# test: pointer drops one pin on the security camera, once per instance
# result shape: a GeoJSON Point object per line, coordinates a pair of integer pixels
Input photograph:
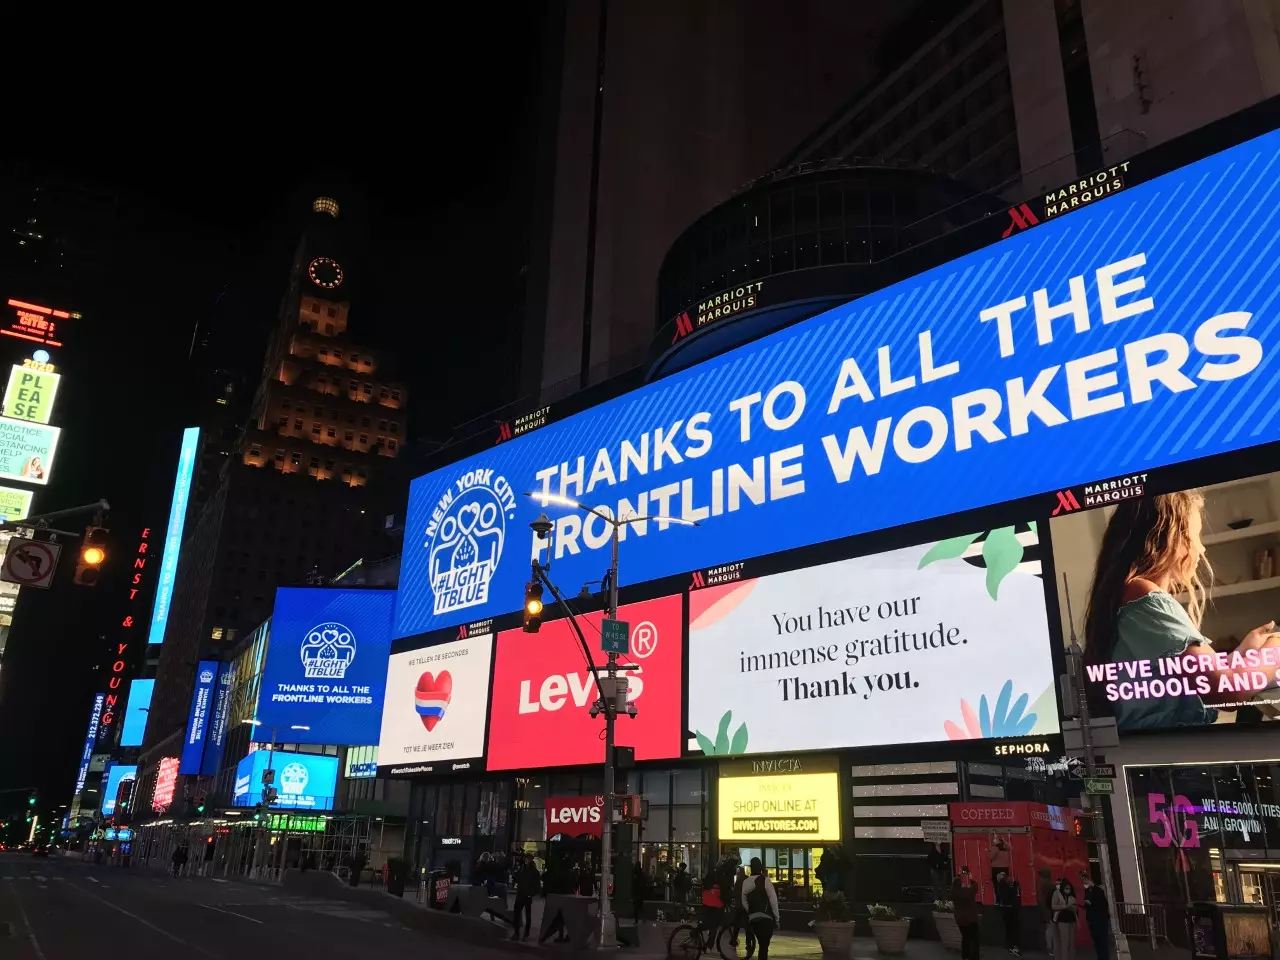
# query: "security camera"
{"type": "Point", "coordinates": [542, 526]}
{"type": "Point", "coordinates": [595, 710]}
{"type": "Point", "coordinates": [631, 710]}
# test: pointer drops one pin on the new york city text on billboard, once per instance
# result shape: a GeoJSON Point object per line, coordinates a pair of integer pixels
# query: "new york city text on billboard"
{"type": "Point", "coordinates": [1137, 332]}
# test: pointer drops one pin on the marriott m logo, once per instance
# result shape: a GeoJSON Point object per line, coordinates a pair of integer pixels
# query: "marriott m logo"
{"type": "Point", "coordinates": [1067, 502]}
{"type": "Point", "coordinates": [504, 433]}
{"type": "Point", "coordinates": [462, 632]}
{"type": "Point", "coordinates": [698, 582]}
{"type": "Point", "coordinates": [684, 326]}
{"type": "Point", "coordinates": [1020, 218]}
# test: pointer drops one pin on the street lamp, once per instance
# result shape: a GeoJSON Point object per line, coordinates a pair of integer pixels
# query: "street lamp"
{"type": "Point", "coordinates": [609, 686]}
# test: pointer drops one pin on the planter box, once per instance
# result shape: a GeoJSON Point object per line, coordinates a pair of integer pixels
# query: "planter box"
{"type": "Point", "coordinates": [835, 936]}
{"type": "Point", "coordinates": [891, 935]}
{"type": "Point", "coordinates": [948, 930]}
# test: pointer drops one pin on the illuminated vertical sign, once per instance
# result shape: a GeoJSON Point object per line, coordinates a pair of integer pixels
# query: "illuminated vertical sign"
{"type": "Point", "coordinates": [87, 754]}
{"type": "Point", "coordinates": [30, 394]}
{"type": "Point", "coordinates": [166, 782]}
{"type": "Point", "coordinates": [117, 690]}
{"type": "Point", "coordinates": [198, 719]}
{"type": "Point", "coordinates": [212, 761]}
{"type": "Point", "coordinates": [173, 535]}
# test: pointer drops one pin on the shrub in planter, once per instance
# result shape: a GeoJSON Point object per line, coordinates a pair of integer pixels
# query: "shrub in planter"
{"type": "Point", "coordinates": [889, 929]}
{"type": "Point", "coordinates": [944, 918]}
{"type": "Point", "coordinates": [833, 923]}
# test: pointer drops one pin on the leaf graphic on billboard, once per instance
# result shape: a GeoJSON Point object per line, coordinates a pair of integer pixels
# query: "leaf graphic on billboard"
{"type": "Point", "coordinates": [723, 746]}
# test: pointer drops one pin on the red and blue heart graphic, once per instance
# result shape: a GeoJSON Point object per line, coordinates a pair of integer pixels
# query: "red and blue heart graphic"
{"type": "Point", "coordinates": [432, 696]}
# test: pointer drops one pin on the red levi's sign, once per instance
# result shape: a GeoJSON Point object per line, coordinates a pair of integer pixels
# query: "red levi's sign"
{"type": "Point", "coordinates": [575, 816]}
{"type": "Point", "coordinates": [540, 712]}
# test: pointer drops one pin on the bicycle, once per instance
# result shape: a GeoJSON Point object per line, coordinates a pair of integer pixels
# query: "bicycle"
{"type": "Point", "coordinates": [693, 938]}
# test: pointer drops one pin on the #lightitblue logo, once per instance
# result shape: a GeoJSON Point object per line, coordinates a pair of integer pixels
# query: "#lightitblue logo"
{"type": "Point", "coordinates": [293, 779]}
{"type": "Point", "coordinates": [327, 650]}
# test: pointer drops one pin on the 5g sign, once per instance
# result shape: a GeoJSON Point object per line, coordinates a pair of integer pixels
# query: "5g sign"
{"type": "Point", "coordinates": [1174, 823]}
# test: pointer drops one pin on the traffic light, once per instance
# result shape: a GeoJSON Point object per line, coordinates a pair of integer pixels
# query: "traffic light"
{"type": "Point", "coordinates": [200, 802]}
{"type": "Point", "coordinates": [93, 553]}
{"type": "Point", "coordinates": [532, 606]}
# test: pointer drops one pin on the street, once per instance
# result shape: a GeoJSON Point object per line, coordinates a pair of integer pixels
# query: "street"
{"type": "Point", "coordinates": [65, 909]}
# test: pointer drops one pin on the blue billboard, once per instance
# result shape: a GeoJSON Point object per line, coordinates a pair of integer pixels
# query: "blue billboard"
{"type": "Point", "coordinates": [212, 761]}
{"type": "Point", "coordinates": [326, 666]}
{"type": "Point", "coordinates": [86, 754]}
{"type": "Point", "coordinates": [111, 780]}
{"type": "Point", "coordinates": [198, 717]}
{"type": "Point", "coordinates": [173, 534]}
{"type": "Point", "coordinates": [303, 781]}
{"type": "Point", "coordinates": [1135, 332]}
{"type": "Point", "coordinates": [136, 711]}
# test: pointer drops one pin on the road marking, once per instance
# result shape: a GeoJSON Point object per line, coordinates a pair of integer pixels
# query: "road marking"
{"type": "Point", "coordinates": [93, 879]}
{"type": "Point", "coordinates": [209, 906]}
{"type": "Point", "coordinates": [26, 922]}
{"type": "Point", "coordinates": [146, 923]}
{"type": "Point", "coordinates": [216, 880]}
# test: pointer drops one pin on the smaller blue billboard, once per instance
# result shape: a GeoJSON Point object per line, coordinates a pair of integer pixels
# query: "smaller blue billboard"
{"type": "Point", "coordinates": [136, 713]}
{"type": "Point", "coordinates": [212, 761]}
{"type": "Point", "coordinates": [303, 781]}
{"type": "Point", "coordinates": [198, 717]}
{"type": "Point", "coordinates": [173, 534]}
{"type": "Point", "coordinates": [115, 774]}
{"type": "Point", "coordinates": [94, 717]}
{"type": "Point", "coordinates": [326, 667]}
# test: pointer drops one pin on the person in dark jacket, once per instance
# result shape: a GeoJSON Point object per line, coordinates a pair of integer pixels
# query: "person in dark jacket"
{"type": "Point", "coordinates": [639, 887]}
{"type": "Point", "coordinates": [1097, 913]}
{"type": "Point", "coordinates": [528, 886]}
{"type": "Point", "coordinates": [964, 899]}
{"type": "Point", "coordinates": [1009, 900]}
{"type": "Point", "coordinates": [1044, 903]}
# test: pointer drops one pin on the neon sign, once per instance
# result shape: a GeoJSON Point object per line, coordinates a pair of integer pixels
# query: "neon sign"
{"type": "Point", "coordinates": [173, 534]}
{"type": "Point", "coordinates": [36, 323]}
{"type": "Point", "coordinates": [128, 625]}
{"type": "Point", "coordinates": [166, 782]}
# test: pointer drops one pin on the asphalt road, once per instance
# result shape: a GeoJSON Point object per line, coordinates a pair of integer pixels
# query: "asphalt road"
{"type": "Point", "coordinates": [65, 909]}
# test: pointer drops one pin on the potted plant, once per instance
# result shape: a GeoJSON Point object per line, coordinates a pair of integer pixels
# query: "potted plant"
{"type": "Point", "coordinates": [944, 918]}
{"type": "Point", "coordinates": [833, 924]}
{"type": "Point", "coordinates": [889, 929]}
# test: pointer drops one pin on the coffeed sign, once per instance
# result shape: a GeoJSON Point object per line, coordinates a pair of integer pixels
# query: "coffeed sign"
{"type": "Point", "coordinates": [780, 799]}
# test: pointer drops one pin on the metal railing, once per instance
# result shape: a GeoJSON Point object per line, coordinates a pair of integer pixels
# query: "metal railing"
{"type": "Point", "coordinates": [1146, 921]}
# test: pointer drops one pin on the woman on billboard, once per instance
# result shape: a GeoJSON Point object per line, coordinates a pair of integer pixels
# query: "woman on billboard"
{"type": "Point", "coordinates": [1151, 552]}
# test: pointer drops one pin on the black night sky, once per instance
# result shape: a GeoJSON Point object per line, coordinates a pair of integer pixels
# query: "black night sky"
{"type": "Point", "coordinates": [430, 158]}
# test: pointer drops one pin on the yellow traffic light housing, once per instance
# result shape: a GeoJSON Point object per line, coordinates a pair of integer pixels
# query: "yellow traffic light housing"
{"type": "Point", "coordinates": [93, 553]}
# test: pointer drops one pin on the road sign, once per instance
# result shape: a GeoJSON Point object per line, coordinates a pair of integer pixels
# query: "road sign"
{"type": "Point", "coordinates": [1099, 786]}
{"type": "Point", "coordinates": [30, 563]}
{"type": "Point", "coordinates": [1105, 771]}
{"type": "Point", "coordinates": [615, 636]}
{"type": "Point", "coordinates": [936, 831]}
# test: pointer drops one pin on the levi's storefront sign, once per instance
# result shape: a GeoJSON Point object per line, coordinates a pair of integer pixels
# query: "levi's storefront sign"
{"type": "Point", "coordinates": [542, 692]}
{"type": "Point", "coordinates": [779, 799]}
{"type": "Point", "coordinates": [1133, 333]}
{"type": "Point", "coordinates": [575, 816]}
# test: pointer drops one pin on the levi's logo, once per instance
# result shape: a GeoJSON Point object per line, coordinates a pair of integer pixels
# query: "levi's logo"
{"type": "Point", "coordinates": [1067, 502]}
{"type": "Point", "coordinates": [559, 689]}
{"type": "Point", "coordinates": [1020, 218]}
{"type": "Point", "coordinates": [575, 814]}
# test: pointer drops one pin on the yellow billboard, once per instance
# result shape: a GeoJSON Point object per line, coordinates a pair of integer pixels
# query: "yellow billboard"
{"type": "Point", "coordinates": [780, 806]}
{"type": "Point", "coordinates": [30, 394]}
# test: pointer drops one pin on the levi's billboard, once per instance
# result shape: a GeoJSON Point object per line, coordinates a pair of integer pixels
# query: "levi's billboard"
{"type": "Point", "coordinates": [575, 816]}
{"type": "Point", "coordinates": [542, 691]}
{"type": "Point", "coordinates": [1136, 332]}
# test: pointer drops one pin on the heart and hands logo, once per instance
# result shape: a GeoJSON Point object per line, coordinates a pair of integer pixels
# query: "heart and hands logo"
{"type": "Point", "coordinates": [431, 697]}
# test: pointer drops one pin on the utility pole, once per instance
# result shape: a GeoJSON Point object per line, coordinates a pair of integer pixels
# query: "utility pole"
{"type": "Point", "coordinates": [1075, 670]}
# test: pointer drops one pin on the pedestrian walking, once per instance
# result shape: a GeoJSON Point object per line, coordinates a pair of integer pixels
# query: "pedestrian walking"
{"type": "Point", "coordinates": [1009, 900]}
{"type": "Point", "coordinates": [741, 920]}
{"type": "Point", "coordinates": [639, 887]}
{"type": "Point", "coordinates": [1097, 913]}
{"type": "Point", "coordinates": [964, 900]}
{"type": "Point", "coordinates": [528, 886]}
{"type": "Point", "coordinates": [1044, 903]}
{"type": "Point", "coordinates": [681, 883]}
{"type": "Point", "coordinates": [1064, 920]}
{"type": "Point", "coordinates": [760, 900]}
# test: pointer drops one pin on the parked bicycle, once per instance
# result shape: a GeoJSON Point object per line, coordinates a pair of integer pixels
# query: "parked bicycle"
{"type": "Point", "coordinates": [696, 936]}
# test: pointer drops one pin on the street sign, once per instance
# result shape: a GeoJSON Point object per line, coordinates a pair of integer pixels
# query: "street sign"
{"type": "Point", "coordinates": [30, 563]}
{"type": "Point", "coordinates": [615, 636]}
{"type": "Point", "coordinates": [1098, 786]}
{"type": "Point", "coordinates": [936, 831]}
{"type": "Point", "coordinates": [1105, 771]}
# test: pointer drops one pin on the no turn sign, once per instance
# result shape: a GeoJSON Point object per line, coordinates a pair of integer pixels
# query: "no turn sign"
{"type": "Point", "coordinates": [30, 563]}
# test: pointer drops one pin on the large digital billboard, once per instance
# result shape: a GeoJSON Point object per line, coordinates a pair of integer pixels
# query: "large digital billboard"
{"type": "Point", "coordinates": [303, 781]}
{"type": "Point", "coordinates": [198, 717]}
{"type": "Point", "coordinates": [90, 739]}
{"type": "Point", "coordinates": [1175, 598]}
{"type": "Point", "coordinates": [30, 393]}
{"type": "Point", "coordinates": [115, 774]}
{"type": "Point", "coordinates": [916, 645]}
{"type": "Point", "coordinates": [326, 665]}
{"type": "Point", "coordinates": [212, 761]}
{"type": "Point", "coordinates": [136, 711]}
{"type": "Point", "coordinates": [437, 699]}
{"type": "Point", "coordinates": [15, 504]}
{"type": "Point", "coordinates": [542, 691]}
{"type": "Point", "coordinates": [1131, 334]}
{"type": "Point", "coordinates": [173, 534]}
{"type": "Point", "coordinates": [26, 450]}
